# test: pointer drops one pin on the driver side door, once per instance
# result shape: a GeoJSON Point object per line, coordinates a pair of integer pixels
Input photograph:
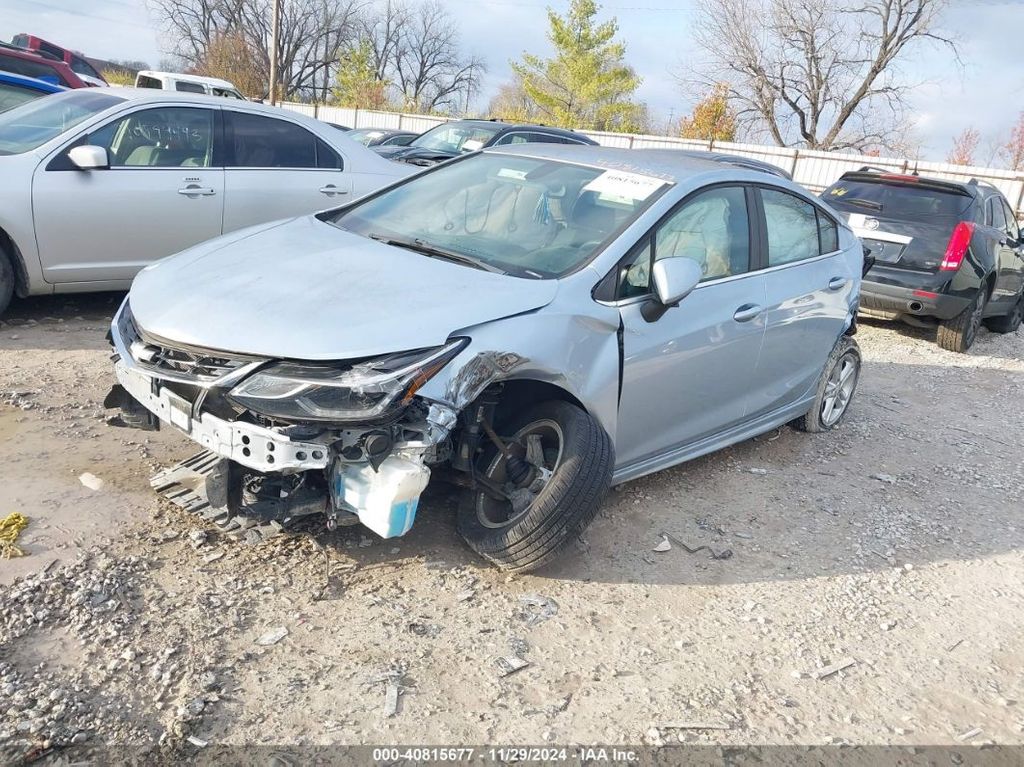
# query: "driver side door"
{"type": "Point", "coordinates": [687, 375]}
{"type": "Point", "coordinates": [162, 193]}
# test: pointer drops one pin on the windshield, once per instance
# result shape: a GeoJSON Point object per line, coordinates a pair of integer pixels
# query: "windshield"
{"type": "Point", "coordinates": [456, 137]}
{"type": "Point", "coordinates": [522, 215]}
{"type": "Point", "coordinates": [364, 136]}
{"type": "Point", "coordinates": [31, 125]}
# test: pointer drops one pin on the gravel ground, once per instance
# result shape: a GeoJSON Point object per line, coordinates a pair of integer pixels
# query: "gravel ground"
{"type": "Point", "coordinates": [890, 548]}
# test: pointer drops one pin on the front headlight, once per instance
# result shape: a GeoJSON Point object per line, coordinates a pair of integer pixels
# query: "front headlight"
{"type": "Point", "coordinates": [362, 392]}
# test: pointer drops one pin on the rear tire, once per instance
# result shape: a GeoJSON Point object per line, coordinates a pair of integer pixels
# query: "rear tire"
{"type": "Point", "coordinates": [835, 390]}
{"type": "Point", "coordinates": [1010, 321]}
{"type": "Point", "coordinates": [6, 281]}
{"type": "Point", "coordinates": [581, 460]}
{"type": "Point", "coordinates": [958, 334]}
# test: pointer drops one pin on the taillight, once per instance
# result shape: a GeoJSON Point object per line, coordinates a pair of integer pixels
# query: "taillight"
{"type": "Point", "coordinates": [959, 242]}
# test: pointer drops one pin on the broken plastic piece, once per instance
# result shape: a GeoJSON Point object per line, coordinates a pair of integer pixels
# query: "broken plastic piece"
{"type": "Point", "coordinates": [273, 636]}
{"type": "Point", "coordinates": [510, 664]}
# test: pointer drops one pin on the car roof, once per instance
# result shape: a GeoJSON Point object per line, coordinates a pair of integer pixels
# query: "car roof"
{"type": "Point", "coordinates": [212, 81]}
{"type": "Point", "coordinates": [669, 164]}
{"type": "Point", "coordinates": [504, 127]}
{"type": "Point", "coordinates": [30, 82]}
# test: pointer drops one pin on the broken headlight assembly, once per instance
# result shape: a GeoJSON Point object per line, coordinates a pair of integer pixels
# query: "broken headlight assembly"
{"type": "Point", "coordinates": [369, 391]}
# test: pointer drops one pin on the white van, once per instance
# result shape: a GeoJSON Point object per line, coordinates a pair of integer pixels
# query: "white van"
{"type": "Point", "coordinates": [175, 81]}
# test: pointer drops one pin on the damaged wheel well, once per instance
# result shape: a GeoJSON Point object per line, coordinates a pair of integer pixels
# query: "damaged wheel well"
{"type": "Point", "coordinates": [519, 394]}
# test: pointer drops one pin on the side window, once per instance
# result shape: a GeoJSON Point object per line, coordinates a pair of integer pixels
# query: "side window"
{"type": "Point", "coordinates": [1012, 227]}
{"type": "Point", "coordinates": [163, 137]}
{"type": "Point", "coordinates": [998, 216]}
{"type": "Point", "coordinates": [145, 81]}
{"type": "Point", "coordinates": [828, 235]}
{"type": "Point", "coordinates": [327, 157]}
{"type": "Point", "coordinates": [635, 275]}
{"type": "Point", "coordinates": [266, 142]}
{"type": "Point", "coordinates": [713, 229]}
{"type": "Point", "coordinates": [82, 67]}
{"type": "Point", "coordinates": [792, 227]}
{"type": "Point", "coordinates": [511, 138]}
{"type": "Point", "coordinates": [189, 87]}
{"type": "Point", "coordinates": [543, 138]}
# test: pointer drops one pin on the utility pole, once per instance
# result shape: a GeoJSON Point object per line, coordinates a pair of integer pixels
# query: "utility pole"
{"type": "Point", "coordinates": [274, 31]}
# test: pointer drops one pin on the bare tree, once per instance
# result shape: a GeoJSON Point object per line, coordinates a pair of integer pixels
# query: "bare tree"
{"type": "Point", "coordinates": [312, 34]}
{"type": "Point", "coordinates": [964, 147]}
{"type": "Point", "coordinates": [817, 73]}
{"type": "Point", "coordinates": [416, 47]}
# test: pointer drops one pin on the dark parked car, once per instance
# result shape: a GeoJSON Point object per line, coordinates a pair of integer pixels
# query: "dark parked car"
{"type": "Point", "coordinates": [946, 253]}
{"type": "Point", "coordinates": [16, 89]}
{"type": "Point", "coordinates": [22, 62]}
{"type": "Point", "coordinates": [373, 137]}
{"type": "Point", "coordinates": [451, 139]}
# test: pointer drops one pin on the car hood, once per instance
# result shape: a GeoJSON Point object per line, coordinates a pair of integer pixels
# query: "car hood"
{"type": "Point", "coordinates": [304, 289]}
{"type": "Point", "coordinates": [415, 154]}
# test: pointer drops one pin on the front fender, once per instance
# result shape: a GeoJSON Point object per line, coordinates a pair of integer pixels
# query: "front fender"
{"type": "Point", "coordinates": [578, 353]}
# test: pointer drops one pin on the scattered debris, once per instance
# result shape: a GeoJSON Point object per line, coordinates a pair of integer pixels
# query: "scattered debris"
{"type": "Point", "coordinates": [197, 538]}
{"type": "Point", "coordinates": [10, 528]}
{"type": "Point", "coordinates": [424, 629]}
{"type": "Point", "coordinates": [955, 644]}
{"type": "Point", "coordinates": [198, 743]}
{"type": "Point", "coordinates": [391, 691]}
{"type": "Point", "coordinates": [464, 595]}
{"type": "Point", "coordinates": [724, 554]}
{"type": "Point", "coordinates": [663, 545]}
{"type": "Point", "coordinates": [757, 470]}
{"type": "Point", "coordinates": [888, 479]}
{"type": "Point", "coordinates": [510, 664]}
{"type": "Point", "coordinates": [972, 733]}
{"type": "Point", "coordinates": [825, 671]}
{"type": "Point", "coordinates": [91, 481]}
{"type": "Point", "coordinates": [887, 625]}
{"type": "Point", "coordinates": [213, 556]}
{"type": "Point", "coordinates": [273, 636]}
{"type": "Point", "coordinates": [539, 608]}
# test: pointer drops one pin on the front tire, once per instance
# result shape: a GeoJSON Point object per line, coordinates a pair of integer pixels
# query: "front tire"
{"type": "Point", "coordinates": [6, 281]}
{"type": "Point", "coordinates": [571, 460]}
{"type": "Point", "coordinates": [958, 334]}
{"type": "Point", "coordinates": [1010, 321]}
{"type": "Point", "coordinates": [835, 390]}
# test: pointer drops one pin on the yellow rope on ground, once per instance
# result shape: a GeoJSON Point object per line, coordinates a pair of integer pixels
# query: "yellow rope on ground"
{"type": "Point", "coordinates": [10, 528]}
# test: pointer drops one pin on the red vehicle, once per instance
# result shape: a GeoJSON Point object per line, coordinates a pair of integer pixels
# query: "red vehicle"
{"type": "Point", "coordinates": [22, 62]}
{"type": "Point", "coordinates": [78, 63]}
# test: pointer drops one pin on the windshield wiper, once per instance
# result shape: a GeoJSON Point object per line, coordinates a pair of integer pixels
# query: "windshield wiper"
{"type": "Point", "coordinates": [427, 249]}
{"type": "Point", "coordinates": [871, 204]}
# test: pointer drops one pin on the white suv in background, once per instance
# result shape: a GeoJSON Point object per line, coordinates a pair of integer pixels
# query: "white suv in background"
{"type": "Point", "coordinates": [175, 81]}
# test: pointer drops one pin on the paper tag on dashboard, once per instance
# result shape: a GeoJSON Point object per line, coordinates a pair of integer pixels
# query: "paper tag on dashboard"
{"type": "Point", "coordinates": [624, 185]}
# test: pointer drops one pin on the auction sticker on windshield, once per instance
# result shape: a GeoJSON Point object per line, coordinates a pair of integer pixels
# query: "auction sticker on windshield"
{"type": "Point", "coordinates": [624, 186]}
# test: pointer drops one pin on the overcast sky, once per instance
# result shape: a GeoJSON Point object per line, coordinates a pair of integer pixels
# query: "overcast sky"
{"type": "Point", "coordinates": [986, 91]}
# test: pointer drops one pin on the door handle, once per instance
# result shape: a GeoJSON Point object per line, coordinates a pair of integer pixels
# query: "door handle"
{"type": "Point", "coordinates": [747, 312]}
{"type": "Point", "coordinates": [194, 190]}
{"type": "Point", "coordinates": [331, 189]}
{"type": "Point", "coordinates": [837, 283]}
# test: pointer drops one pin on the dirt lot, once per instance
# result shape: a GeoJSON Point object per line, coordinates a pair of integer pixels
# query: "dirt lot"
{"type": "Point", "coordinates": [895, 543]}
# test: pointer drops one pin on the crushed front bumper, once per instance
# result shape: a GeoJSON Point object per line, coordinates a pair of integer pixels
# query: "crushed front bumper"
{"type": "Point", "coordinates": [253, 446]}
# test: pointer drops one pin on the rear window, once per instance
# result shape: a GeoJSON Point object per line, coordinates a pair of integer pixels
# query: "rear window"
{"type": "Point", "coordinates": [895, 200]}
{"type": "Point", "coordinates": [145, 81]}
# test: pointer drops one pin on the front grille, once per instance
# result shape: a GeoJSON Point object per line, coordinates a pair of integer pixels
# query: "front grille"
{"type": "Point", "coordinates": [178, 362]}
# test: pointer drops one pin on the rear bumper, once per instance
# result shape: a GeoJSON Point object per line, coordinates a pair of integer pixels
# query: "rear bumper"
{"type": "Point", "coordinates": [885, 298]}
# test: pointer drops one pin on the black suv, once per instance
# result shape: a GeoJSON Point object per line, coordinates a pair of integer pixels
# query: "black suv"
{"type": "Point", "coordinates": [450, 139]}
{"type": "Point", "coordinates": [945, 253]}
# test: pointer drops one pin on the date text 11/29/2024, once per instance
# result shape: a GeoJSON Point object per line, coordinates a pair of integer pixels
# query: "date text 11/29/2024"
{"type": "Point", "coordinates": [503, 754]}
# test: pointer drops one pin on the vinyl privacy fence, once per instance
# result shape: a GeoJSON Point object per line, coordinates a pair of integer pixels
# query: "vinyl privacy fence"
{"type": "Point", "coordinates": [814, 169]}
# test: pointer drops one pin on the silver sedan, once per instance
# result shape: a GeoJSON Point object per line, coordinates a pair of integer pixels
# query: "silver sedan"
{"type": "Point", "coordinates": [97, 183]}
{"type": "Point", "coordinates": [532, 324]}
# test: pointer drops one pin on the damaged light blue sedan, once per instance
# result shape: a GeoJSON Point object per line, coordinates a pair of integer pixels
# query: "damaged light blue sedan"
{"type": "Point", "coordinates": [532, 324]}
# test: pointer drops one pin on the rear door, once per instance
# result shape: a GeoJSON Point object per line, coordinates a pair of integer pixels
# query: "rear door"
{"type": "Point", "coordinates": [1010, 261]}
{"type": "Point", "coordinates": [276, 169]}
{"type": "Point", "coordinates": [808, 284]}
{"type": "Point", "coordinates": [162, 193]}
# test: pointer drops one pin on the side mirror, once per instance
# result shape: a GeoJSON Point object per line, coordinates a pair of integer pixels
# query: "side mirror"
{"type": "Point", "coordinates": [89, 157]}
{"type": "Point", "coordinates": [674, 279]}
